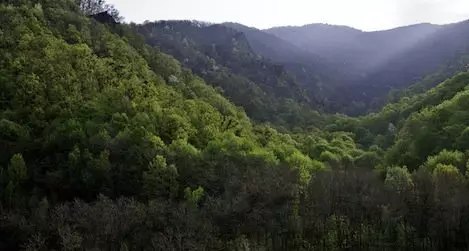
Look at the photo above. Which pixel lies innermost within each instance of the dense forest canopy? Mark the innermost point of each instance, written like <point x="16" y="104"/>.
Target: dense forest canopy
<point x="181" y="135"/>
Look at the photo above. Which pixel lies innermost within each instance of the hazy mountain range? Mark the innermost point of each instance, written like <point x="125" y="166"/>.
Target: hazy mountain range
<point x="342" y="69"/>
<point x="363" y="65"/>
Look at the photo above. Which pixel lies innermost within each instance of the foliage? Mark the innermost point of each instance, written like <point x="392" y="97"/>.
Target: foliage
<point x="109" y="144"/>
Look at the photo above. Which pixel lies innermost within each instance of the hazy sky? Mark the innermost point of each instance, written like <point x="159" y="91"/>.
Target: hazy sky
<point x="362" y="14"/>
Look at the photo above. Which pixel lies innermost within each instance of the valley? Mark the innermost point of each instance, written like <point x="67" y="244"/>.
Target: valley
<point x="189" y="135"/>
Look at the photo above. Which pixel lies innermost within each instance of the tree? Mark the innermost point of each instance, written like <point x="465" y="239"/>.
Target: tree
<point x="14" y="178"/>
<point x="399" y="179"/>
<point x="193" y="197"/>
<point x="160" y="180"/>
<point x="92" y="7"/>
<point x="445" y="157"/>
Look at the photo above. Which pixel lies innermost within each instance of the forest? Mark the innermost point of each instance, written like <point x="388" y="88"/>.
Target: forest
<point x="182" y="135"/>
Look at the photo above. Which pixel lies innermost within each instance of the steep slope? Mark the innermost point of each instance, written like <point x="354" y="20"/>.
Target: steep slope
<point x="440" y="124"/>
<point x="87" y="113"/>
<point x="460" y="64"/>
<point x="416" y="127"/>
<point x="351" y="71"/>
<point x="352" y="47"/>
<point x="272" y="47"/>
<point x="425" y="56"/>
<point x="317" y="74"/>
<point x="334" y="43"/>
<point x="376" y="62"/>
<point x="225" y="59"/>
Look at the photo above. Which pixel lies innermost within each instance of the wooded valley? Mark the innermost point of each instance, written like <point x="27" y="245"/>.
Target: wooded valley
<point x="185" y="135"/>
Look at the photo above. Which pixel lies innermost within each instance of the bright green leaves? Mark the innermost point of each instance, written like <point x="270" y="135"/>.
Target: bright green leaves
<point x="265" y="155"/>
<point x="445" y="157"/>
<point x="306" y="167"/>
<point x="205" y="119"/>
<point x="165" y="65"/>
<point x="173" y="126"/>
<point x="30" y="91"/>
<point x="435" y="128"/>
<point x="330" y="158"/>
<point x="443" y="170"/>
<point x="193" y="197"/>
<point x="338" y="150"/>
<point x="126" y="120"/>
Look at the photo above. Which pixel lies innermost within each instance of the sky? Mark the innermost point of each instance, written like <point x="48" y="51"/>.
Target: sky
<point x="368" y="15"/>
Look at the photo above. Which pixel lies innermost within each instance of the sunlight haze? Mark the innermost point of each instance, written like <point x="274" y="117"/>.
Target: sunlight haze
<point x="361" y="14"/>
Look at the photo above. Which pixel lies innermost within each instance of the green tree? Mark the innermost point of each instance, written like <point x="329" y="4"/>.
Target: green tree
<point x="14" y="178"/>
<point x="445" y="157"/>
<point x="160" y="180"/>
<point x="399" y="179"/>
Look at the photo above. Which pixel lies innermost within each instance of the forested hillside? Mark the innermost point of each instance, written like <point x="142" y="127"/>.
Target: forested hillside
<point x="370" y="64"/>
<point x="223" y="58"/>
<point x="152" y="137"/>
<point x="318" y="75"/>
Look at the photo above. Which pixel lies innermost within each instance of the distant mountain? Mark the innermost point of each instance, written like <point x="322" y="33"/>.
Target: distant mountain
<point x="272" y="47"/>
<point x="418" y="56"/>
<point x="444" y="52"/>
<point x="331" y="68"/>
<point x="370" y="64"/>
<point x="351" y="47"/>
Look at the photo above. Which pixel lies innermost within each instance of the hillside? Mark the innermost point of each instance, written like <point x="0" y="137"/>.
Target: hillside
<point x="314" y="73"/>
<point x="272" y="47"/>
<point x="351" y="47"/>
<point x="352" y="71"/>
<point x="373" y="63"/>
<point x="224" y="58"/>
<point x="101" y="132"/>
<point x="119" y="136"/>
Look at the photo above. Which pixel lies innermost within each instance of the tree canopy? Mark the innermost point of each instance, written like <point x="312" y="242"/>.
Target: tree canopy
<point x="163" y="136"/>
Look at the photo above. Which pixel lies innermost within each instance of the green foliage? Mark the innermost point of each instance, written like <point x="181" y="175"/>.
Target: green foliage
<point x="304" y="165"/>
<point x="445" y="170"/>
<point x="109" y="144"/>
<point x="160" y="180"/>
<point x="368" y="159"/>
<point x="398" y="178"/>
<point x="193" y="197"/>
<point x="96" y="110"/>
<point x="454" y="158"/>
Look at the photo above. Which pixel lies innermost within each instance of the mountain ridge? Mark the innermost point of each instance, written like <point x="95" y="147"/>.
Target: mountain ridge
<point x="353" y="28"/>
<point x="365" y="66"/>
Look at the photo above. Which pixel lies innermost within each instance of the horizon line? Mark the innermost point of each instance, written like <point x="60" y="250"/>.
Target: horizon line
<point x="304" y="25"/>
